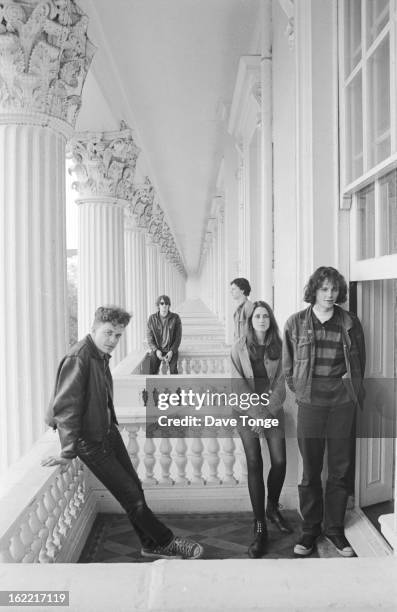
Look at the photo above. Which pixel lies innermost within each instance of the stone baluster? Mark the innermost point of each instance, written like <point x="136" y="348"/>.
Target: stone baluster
<point x="36" y="529"/>
<point x="149" y="462"/>
<point x="165" y="462"/>
<point x="51" y="509"/>
<point x="229" y="459"/>
<point x="242" y="462"/>
<point x="133" y="446"/>
<point x="26" y="537"/>
<point x="197" y="461"/>
<point x="44" y="533"/>
<point x="213" y="461"/>
<point x="181" y="462"/>
<point x="17" y="548"/>
<point x="5" y="554"/>
<point x="59" y="528"/>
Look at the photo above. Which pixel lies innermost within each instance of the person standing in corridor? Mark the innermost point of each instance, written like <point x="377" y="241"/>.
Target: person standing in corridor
<point x="324" y="362"/>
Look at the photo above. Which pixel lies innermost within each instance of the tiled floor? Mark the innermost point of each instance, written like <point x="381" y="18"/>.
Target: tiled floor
<point x="223" y="535"/>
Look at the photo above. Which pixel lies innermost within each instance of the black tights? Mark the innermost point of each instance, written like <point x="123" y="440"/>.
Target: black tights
<point x="276" y="476"/>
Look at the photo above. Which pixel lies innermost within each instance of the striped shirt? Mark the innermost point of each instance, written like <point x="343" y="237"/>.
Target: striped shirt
<point x="329" y="364"/>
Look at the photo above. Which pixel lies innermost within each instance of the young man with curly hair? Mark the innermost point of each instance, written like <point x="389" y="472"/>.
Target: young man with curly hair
<point x="82" y="411"/>
<point x="324" y="362"/>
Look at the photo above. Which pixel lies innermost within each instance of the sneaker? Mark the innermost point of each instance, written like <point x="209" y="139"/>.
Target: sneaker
<point x="341" y="544"/>
<point x="305" y="545"/>
<point x="178" y="548"/>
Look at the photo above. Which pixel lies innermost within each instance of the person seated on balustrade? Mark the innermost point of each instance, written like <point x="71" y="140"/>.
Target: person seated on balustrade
<point x="82" y="411"/>
<point x="164" y="335"/>
<point x="256" y="358"/>
<point x="240" y="290"/>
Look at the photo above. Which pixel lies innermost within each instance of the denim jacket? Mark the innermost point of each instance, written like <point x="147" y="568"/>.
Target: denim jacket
<point x="299" y="350"/>
<point x="241" y="367"/>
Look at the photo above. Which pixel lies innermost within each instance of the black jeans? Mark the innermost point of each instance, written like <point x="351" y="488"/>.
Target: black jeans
<point x="109" y="461"/>
<point x="319" y="426"/>
<point x="155" y="363"/>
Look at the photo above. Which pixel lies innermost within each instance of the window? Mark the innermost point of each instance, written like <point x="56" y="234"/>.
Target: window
<point x="366" y="83"/>
<point x="388" y="213"/>
<point x="366" y="223"/>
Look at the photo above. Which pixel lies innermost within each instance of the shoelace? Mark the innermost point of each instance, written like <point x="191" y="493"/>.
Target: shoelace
<point x="182" y="546"/>
<point x="259" y="527"/>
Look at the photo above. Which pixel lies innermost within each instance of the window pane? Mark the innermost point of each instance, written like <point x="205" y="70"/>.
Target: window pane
<point x="377" y="18"/>
<point x="352" y="25"/>
<point x="366" y="223"/>
<point x="379" y="104"/>
<point x="388" y="213"/>
<point x="354" y="129"/>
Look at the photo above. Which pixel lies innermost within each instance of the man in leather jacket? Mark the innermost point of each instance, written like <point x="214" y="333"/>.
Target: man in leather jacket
<point x="164" y="335"/>
<point x="324" y="362"/>
<point x="82" y="411"/>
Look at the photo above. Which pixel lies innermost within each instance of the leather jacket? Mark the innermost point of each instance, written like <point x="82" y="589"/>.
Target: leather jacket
<point x="154" y="331"/>
<point x="241" y="367"/>
<point x="299" y="352"/>
<point x="79" y="404"/>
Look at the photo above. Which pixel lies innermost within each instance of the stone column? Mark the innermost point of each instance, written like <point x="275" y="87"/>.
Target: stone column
<point x="221" y="262"/>
<point x="135" y="283"/>
<point x="44" y="59"/>
<point x="138" y="216"/>
<point x="105" y="167"/>
<point x="152" y="272"/>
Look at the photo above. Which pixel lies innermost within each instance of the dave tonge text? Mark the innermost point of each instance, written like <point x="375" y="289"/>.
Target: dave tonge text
<point x="211" y="421"/>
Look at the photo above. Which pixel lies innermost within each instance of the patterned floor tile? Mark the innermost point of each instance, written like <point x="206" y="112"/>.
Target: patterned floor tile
<point x="223" y="535"/>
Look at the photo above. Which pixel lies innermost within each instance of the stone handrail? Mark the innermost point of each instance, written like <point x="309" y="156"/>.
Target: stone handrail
<point x="42" y="509"/>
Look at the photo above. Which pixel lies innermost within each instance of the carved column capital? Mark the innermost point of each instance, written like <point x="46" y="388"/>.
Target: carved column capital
<point x="44" y="59"/>
<point x="105" y="164"/>
<point x="142" y="203"/>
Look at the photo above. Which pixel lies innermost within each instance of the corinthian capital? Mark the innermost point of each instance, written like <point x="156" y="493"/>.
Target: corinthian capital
<point x="105" y="164"/>
<point x="44" y="59"/>
<point x="142" y="203"/>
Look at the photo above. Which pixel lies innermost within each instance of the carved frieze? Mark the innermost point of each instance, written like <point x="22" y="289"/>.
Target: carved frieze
<point x="105" y="164"/>
<point x="44" y="58"/>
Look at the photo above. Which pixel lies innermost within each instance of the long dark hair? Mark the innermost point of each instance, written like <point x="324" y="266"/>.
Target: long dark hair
<point x="272" y="338"/>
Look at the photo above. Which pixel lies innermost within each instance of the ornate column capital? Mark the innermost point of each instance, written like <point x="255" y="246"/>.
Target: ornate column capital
<point x="105" y="164"/>
<point x="142" y="203"/>
<point x="45" y="55"/>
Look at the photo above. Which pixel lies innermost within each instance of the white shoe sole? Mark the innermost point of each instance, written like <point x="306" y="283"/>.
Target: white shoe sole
<point x="344" y="552"/>
<point x="152" y="555"/>
<point x="302" y="551"/>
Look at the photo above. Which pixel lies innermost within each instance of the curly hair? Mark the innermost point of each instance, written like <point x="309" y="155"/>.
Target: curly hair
<point x="111" y="314"/>
<point x="272" y="339"/>
<point x="316" y="280"/>
<point x="242" y="284"/>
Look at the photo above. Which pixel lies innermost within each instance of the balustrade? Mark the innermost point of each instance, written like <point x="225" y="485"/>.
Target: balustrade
<point x="37" y="533"/>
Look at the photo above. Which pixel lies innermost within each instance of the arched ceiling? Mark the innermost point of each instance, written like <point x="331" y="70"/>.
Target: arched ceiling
<point x="168" y="67"/>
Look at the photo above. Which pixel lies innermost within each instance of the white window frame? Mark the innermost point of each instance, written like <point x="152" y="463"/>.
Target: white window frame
<point x="379" y="266"/>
